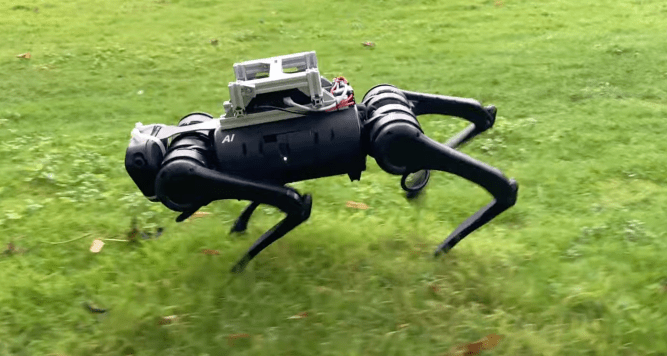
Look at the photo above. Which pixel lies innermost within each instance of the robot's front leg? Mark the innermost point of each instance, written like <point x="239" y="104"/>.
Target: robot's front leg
<point x="290" y="222"/>
<point x="186" y="185"/>
<point x="241" y="224"/>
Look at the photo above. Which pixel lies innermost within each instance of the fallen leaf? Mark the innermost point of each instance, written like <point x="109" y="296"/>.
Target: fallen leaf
<point x="96" y="246"/>
<point x="434" y="288"/>
<point x="210" y="252"/>
<point x="24" y="55"/>
<point x="10" y="248"/>
<point x="492" y="340"/>
<point x="237" y="336"/>
<point x="368" y="44"/>
<point x="299" y="316"/>
<point x="168" y="320"/>
<point x="232" y="337"/>
<point x="355" y="205"/>
<point x="197" y="215"/>
<point x="322" y="289"/>
<point x="418" y="248"/>
<point x="134" y="231"/>
<point x="474" y="348"/>
<point x="132" y="234"/>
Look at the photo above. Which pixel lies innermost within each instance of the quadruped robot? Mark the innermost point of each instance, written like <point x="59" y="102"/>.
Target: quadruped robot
<point x="285" y="123"/>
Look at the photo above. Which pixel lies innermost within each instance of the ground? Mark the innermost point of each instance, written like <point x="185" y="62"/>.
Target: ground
<point x="577" y="267"/>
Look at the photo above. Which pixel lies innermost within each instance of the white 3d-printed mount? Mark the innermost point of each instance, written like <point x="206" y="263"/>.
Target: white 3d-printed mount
<point x="292" y="71"/>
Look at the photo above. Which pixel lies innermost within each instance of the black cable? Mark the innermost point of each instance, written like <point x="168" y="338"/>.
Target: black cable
<point x="279" y="108"/>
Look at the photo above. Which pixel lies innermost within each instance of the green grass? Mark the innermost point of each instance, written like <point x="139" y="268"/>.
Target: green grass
<point x="577" y="267"/>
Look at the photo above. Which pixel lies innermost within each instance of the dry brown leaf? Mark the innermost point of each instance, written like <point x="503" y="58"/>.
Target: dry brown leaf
<point x="323" y="289"/>
<point x="474" y="348"/>
<point x="197" y="215"/>
<point x="355" y="205"/>
<point x="492" y="340"/>
<point x="232" y="337"/>
<point x="96" y="246"/>
<point x="210" y="252"/>
<point x="132" y="234"/>
<point x="434" y="288"/>
<point x="237" y="336"/>
<point x="418" y="248"/>
<point x="168" y="320"/>
<point x="13" y="249"/>
<point x="299" y="316"/>
<point x="24" y="55"/>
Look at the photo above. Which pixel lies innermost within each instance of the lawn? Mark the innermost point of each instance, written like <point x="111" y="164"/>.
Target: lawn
<point x="577" y="267"/>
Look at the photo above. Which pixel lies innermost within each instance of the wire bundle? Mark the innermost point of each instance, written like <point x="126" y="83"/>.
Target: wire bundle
<point x="341" y="91"/>
<point x="340" y="85"/>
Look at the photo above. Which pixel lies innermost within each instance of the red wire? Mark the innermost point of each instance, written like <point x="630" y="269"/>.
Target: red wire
<point x="349" y="101"/>
<point x="345" y="103"/>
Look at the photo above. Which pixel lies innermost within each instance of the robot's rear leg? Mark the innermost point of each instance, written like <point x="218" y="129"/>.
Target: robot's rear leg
<point x="414" y="183"/>
<point x="401" y="146"/>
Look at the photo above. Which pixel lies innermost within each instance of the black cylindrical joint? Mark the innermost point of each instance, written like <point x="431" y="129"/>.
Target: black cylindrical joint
<point x="176" y="187"/>
<point x="391" y="147"/>
<point x="193" y="146"/>
<point x="389" y="117"/>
